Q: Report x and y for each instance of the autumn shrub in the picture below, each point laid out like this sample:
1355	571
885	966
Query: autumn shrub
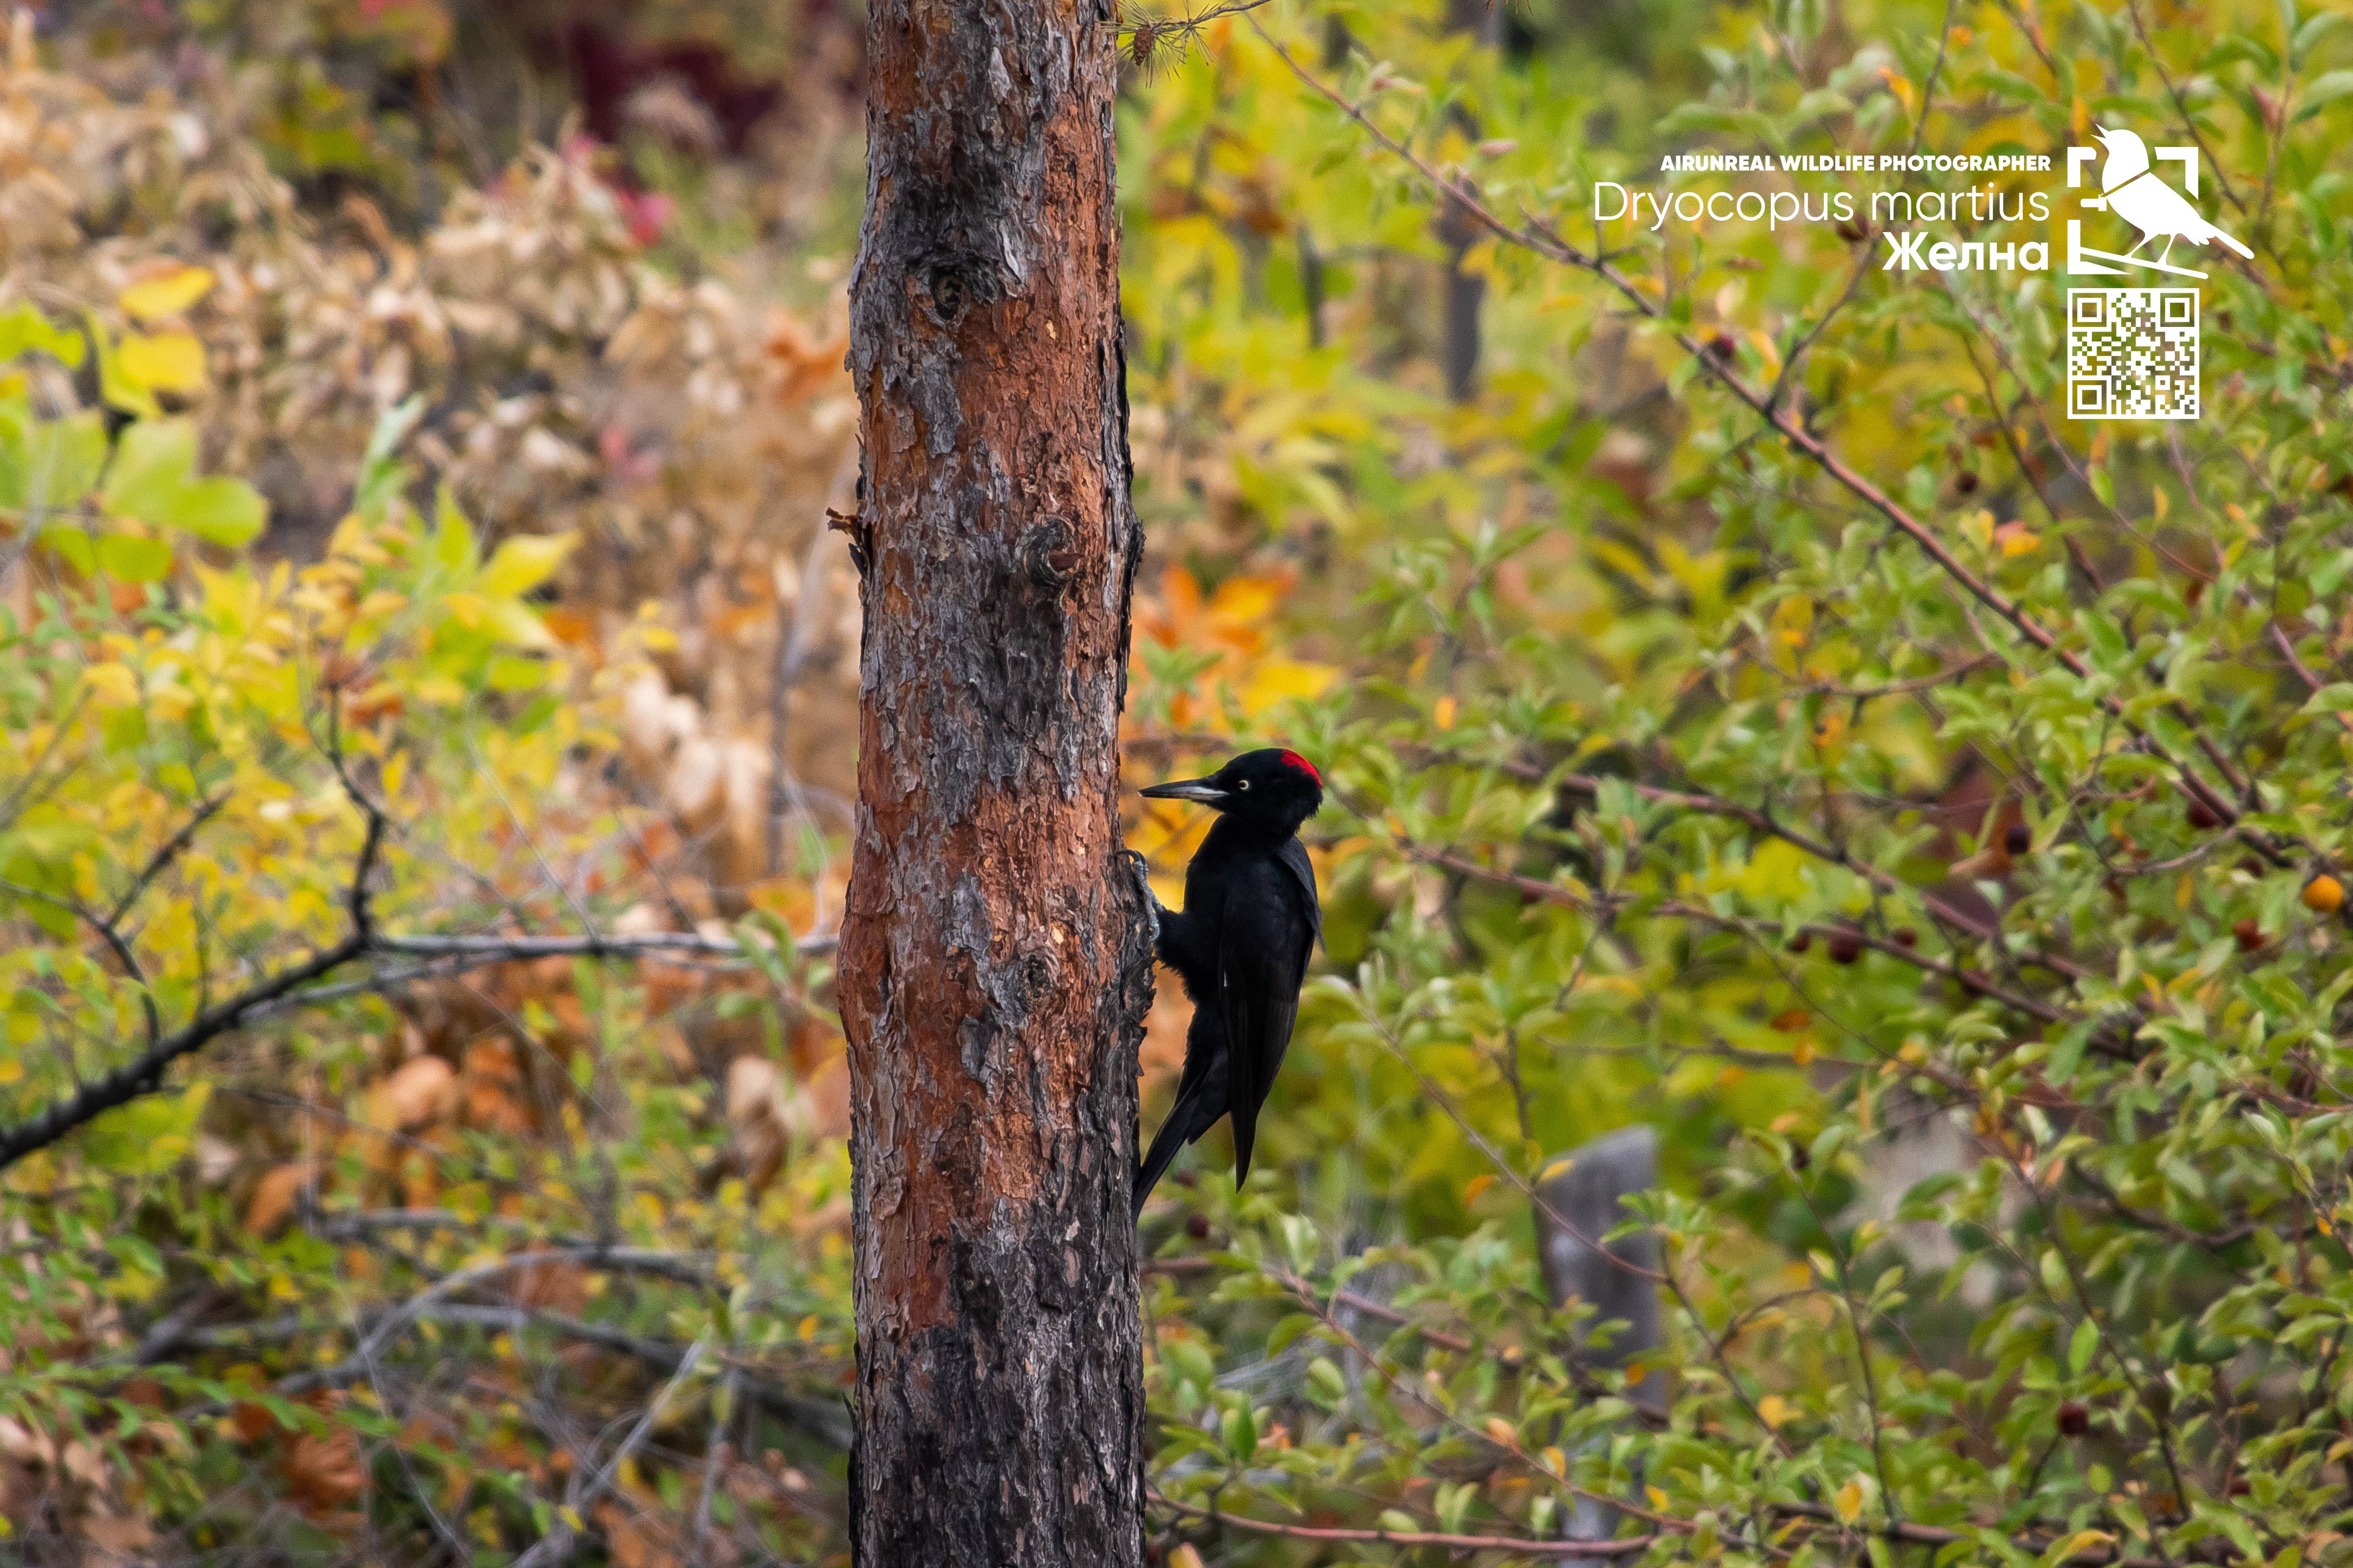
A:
688	434
311	827
1767	717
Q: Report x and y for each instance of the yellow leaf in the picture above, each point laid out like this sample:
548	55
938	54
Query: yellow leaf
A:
2016	539
1442	714
1278	678
164	361
1245	599
383	602
2082	1542
523	563
113	685
167	293
1658	1499
1850	1500
1774	1409
517	626
171	701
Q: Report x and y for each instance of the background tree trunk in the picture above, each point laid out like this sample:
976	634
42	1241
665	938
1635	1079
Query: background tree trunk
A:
995	964
1465	292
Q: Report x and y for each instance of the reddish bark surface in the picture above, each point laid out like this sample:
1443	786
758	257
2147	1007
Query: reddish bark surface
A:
993	967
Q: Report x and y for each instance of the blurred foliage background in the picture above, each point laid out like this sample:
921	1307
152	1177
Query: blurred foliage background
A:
418	420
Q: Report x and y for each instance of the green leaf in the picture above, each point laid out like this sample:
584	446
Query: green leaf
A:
382	475
2325	91
49	465
1817	104
224	512
153	479
151	462
74	547
453	536
1241	1431
1189	1360
1289	1328
2316	28
25	330
134	559
1326	1384
2083	1346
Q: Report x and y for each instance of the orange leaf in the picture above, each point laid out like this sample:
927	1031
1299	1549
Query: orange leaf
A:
273	1198
422	1090
323	1470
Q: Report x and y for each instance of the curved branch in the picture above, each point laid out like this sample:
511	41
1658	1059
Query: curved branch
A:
1518	1546
1534	236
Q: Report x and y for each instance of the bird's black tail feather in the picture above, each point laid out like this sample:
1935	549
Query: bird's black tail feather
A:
1173	1134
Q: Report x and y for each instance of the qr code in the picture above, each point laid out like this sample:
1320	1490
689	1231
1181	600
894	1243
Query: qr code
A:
2132	353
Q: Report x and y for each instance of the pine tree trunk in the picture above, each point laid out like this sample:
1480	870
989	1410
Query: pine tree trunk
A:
994	968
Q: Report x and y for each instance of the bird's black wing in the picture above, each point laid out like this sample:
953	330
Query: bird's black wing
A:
1262	947
1293	856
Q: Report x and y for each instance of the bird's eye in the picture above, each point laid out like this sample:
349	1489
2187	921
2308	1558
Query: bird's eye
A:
1241	784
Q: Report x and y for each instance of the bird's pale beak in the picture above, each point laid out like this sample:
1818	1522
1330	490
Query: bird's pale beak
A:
1202	790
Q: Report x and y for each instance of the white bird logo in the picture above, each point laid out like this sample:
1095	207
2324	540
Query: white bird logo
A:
2134	192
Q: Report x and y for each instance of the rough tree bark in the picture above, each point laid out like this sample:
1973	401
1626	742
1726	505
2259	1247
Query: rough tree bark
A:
995	965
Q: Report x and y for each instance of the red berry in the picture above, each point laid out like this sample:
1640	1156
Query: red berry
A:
2074	1420
1846	946
1802	940
2249	935
2017	840
1905	936
2202	817
1197	1227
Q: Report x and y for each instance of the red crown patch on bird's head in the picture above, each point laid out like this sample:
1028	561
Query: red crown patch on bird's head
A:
1305	766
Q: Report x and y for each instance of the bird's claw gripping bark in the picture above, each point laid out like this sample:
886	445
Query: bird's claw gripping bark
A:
1141	869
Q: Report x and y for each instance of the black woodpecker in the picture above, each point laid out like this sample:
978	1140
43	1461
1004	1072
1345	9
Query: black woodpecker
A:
1240	945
